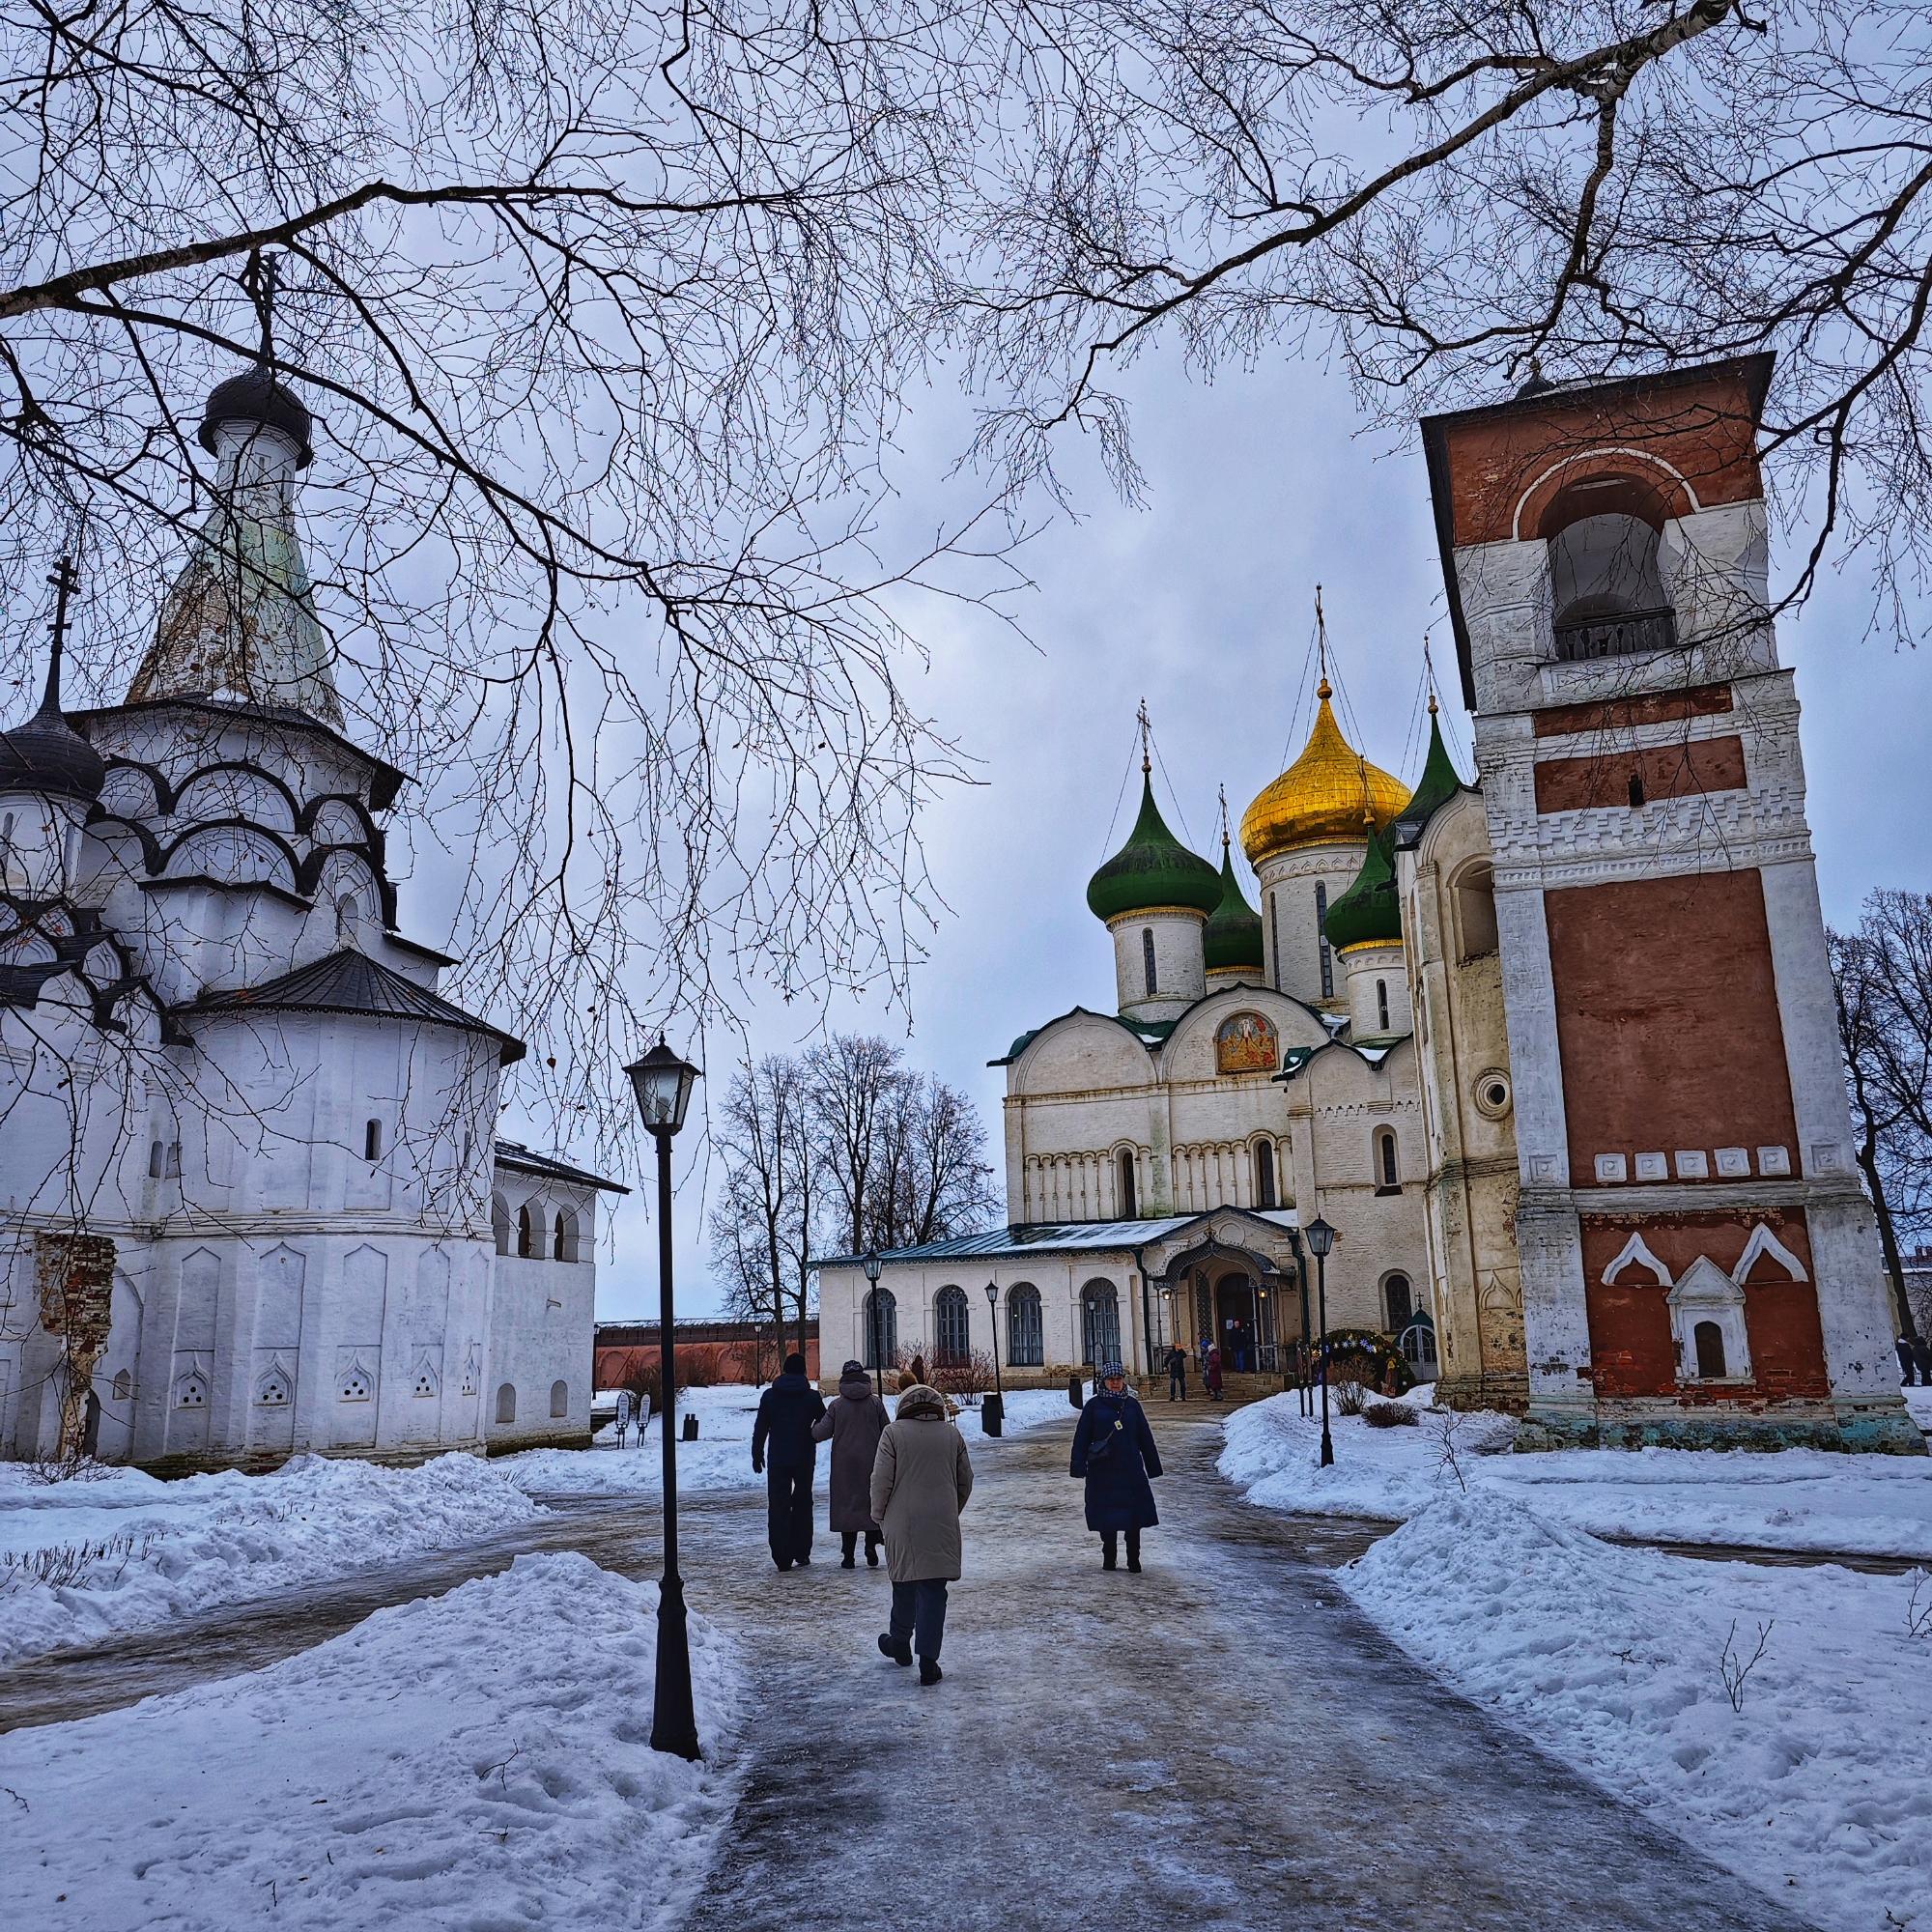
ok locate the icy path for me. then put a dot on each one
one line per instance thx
(1223, 1741)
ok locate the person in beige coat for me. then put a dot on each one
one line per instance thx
(920, 1479)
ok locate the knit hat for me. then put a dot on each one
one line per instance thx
(852, 1367)
(1107, 1371)
(919, 1400)
(794, 1364)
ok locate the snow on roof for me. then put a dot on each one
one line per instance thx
(1034, 1238)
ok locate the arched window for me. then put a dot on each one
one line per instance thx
(881, 1316)
(1129, 1204)
(499, 1222)
(154, 1153)
(1026, 1345)
(1389, 1178)
(1146, 960)
(1399, 1301)
(1383, 1004)
(1322, 940)
(1264, 1174)
(1607, 592)
(1636, 791)
(1099, 1323)
(527, 1233)
(1476, 912)
(563, 1237)
(506, 1403)
(1709, 1341)
(952, 1326)
(560, 1400)
(372, 1140)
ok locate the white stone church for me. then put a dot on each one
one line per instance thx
(252, 1198)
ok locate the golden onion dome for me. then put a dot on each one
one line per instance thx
(1322, 798)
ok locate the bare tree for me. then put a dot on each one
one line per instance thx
(767, 1218)
(603, 308)
(934, 1179)
(1451, 200)
(1883, 974)
(853, 1080)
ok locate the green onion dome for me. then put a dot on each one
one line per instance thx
(1438, 782)
(1231, 939)
(1153, 869)
(1368, 913)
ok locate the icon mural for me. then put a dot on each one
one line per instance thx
(1246, 1043)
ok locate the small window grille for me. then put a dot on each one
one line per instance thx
(1322, 940)
(274, 1391)
(372, 1140)
(1383, 1004)
(190, 1392)
(355, 1385)
(1146, 960)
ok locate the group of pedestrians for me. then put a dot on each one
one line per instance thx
(1176, 1372)
(901, 1481)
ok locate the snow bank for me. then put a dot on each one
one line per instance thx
(478, 1759)
(1818, 1790)
(84, 1560)
(1798, 1500)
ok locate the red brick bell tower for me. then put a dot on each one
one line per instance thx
(1699, 1262)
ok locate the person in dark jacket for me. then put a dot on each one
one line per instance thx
(1114, 1453)
(1906, 1363)
(1212, 1373)
(1177, 1374)
(783, 1451)
(853, 1424)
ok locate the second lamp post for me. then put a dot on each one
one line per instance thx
(992, 1424)
(1321, 1238)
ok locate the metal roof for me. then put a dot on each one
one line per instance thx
(519, 1159)
(349, 982)
(1046, 1237)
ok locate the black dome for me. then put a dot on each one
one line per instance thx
(48, 754)
(255, 396)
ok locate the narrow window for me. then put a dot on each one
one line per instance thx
(1274, 937)
(1146, 960)
(1322, 940)
(527, 1237)
(500, 1223)
(506, 1403)
(171, 1161)
(372, 1140)
(1128, 1209)
(1383, 1004)
(1401, 1303)
(1709, 1340)
(154, 1161)
(1636, 790)
(558, 1250)
(560, 1400)
(1264, 1174)
(1386, 1177)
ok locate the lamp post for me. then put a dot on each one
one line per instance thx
(1321, 1238)
(662, 1083)
(873, 1266)
(994, 1423)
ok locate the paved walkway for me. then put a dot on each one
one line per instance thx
(1222, 1740)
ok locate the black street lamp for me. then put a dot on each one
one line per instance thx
(873, 1267)
(1321, 1238)
(662, 1083)
(995, 1423)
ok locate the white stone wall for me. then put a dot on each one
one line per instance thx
(1180, 973)
(1291, 927)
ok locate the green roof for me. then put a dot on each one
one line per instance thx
(1368, 913)
(1232, 938)
(1153, 869)
(1437, 786)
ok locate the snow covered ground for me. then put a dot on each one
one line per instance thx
(479, 1759)
(1798, 1500)
(115, 1550)
(1816, 1785)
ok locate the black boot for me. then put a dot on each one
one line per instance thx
(871, 1554)
(897, 1648)
(929, 1671)
(1109, 1555)
(1134, 1553)
(850, 1541)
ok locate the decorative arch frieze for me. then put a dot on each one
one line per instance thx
(1762, 1246)
(1636, 1252)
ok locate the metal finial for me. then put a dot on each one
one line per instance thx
(1428, 672)
(1225, 840)
(1322, 689)
(1146, 739)
(66, 579)
(261, 278)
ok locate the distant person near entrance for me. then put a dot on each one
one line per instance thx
(783, 1448)
(1212, 1373)
(853, 1425)
(1114, 1453)
(919, 1485)
(1177, 1374)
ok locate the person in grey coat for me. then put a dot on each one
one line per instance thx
(920, 1484)
(853, 1424)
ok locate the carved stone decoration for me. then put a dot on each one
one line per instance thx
(75, 1277)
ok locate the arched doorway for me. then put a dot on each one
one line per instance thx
(1243, 1325)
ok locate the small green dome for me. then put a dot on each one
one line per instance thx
(1153, 869)
(1368, 913)
(1438, 782)
(1231, 939)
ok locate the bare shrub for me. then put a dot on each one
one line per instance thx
(68, 1566)
(1447, 1423)
(1351, 1398)
(1918, 1607)
(1389, 1415)
(1734, 1666)
(969, 1376)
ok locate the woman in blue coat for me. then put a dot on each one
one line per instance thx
(1114, 1453)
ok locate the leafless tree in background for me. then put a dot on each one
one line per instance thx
(768, 1216)
(933, 1180)
(1884, 977)
(852, 1079)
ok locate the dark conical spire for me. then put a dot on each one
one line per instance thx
(1369, 913)
(1231, 941)
(47, 754)
(1438, 782)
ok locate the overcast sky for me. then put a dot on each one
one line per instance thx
(1258, 487)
